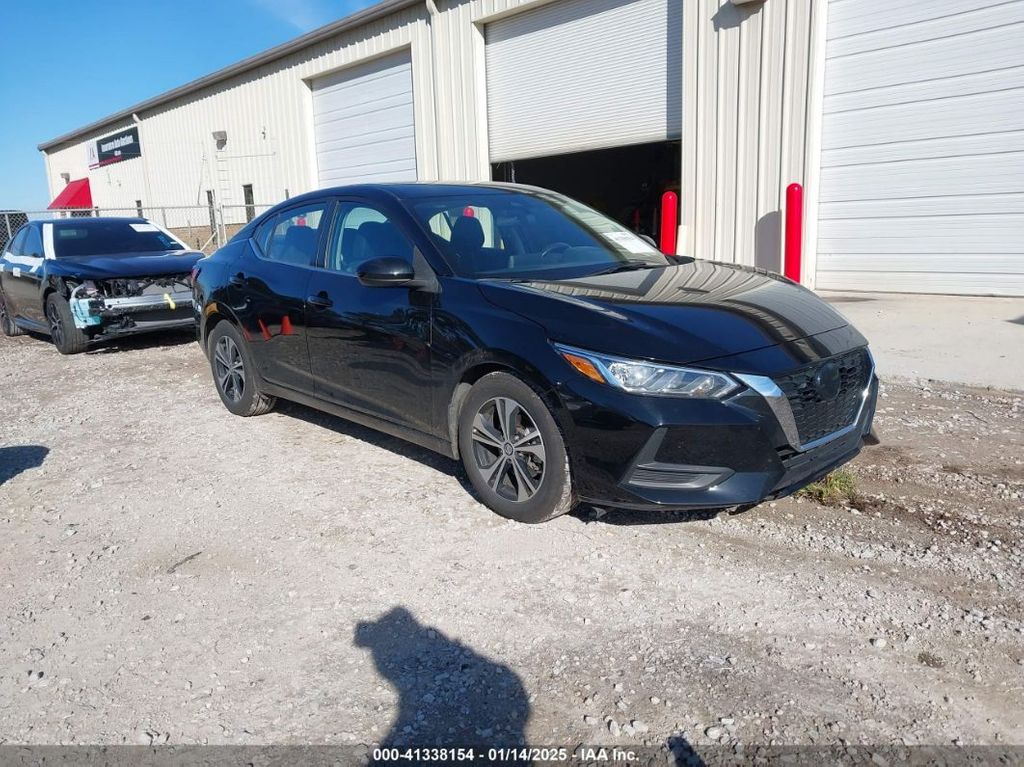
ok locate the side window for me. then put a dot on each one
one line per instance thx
(17, 246)
(33, 243)
(363, 233)
(291, 237)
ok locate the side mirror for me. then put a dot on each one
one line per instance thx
(387, 272)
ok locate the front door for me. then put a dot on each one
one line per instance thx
(269, 287)
(370, 347)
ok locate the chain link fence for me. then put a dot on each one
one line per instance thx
(201, 227)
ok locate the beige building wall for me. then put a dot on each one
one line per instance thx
(745, 118)
(747, 79)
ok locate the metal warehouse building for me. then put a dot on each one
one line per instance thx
(903, 119)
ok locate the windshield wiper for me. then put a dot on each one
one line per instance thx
(630, 265)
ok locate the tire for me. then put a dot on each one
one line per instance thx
(7, 326)
(234, 373)
(65, 336)
(533, 483)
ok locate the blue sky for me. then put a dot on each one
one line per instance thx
(80, 60)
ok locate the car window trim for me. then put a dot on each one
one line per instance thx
(330, 204)
(14, 239)
(39, 235)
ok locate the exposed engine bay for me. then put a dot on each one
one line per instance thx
(122, 304)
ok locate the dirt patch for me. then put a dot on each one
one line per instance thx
(171, 573)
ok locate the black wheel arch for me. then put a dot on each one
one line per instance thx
(212, 315)
(498, 361)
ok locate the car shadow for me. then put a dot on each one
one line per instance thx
(396, 445)
(14, 460)
(140, 341)
(583, 512)
(448, 694)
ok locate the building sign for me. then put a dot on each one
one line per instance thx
(110, 149)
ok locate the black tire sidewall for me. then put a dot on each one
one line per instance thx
(75, 340)
(555, 490)
(250, 394)
(7, 325)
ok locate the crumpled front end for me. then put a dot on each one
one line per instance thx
(129, 305)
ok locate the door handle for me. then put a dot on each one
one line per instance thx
(237, 279)
(320, 300)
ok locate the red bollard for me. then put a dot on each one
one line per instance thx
(794, 231)
(669, 223)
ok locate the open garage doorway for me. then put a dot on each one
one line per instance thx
(625, 183)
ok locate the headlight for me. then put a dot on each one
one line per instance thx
(641, 377)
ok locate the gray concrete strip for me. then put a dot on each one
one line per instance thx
(962, 339)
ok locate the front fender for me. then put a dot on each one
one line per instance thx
(471, 338)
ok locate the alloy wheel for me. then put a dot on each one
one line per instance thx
(508, 449)
(56, 323)
(229, 368)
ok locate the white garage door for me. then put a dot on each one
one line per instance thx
(584, 74)
(363, 123)
(922, 178)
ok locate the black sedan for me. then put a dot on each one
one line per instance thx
(80, 280)
(559, 355)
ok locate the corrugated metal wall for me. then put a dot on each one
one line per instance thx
(745, 73)
(267, 114)
(745, 110)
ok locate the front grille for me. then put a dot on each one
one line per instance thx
(805, 467)
(817, 416)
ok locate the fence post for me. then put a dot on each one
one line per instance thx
(163, 216)
(7, 224)
(222, 233)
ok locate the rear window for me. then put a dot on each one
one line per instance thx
(110, 238)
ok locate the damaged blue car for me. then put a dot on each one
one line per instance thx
(83, 280)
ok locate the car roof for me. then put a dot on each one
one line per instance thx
(95, 220)
(418, 189)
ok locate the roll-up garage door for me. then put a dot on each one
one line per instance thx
(363, 123)
(583, 74)
(922, 164)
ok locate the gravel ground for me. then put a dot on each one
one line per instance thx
(172, 573)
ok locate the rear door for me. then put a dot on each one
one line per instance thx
(269, 286)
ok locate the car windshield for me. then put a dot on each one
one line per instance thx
(110, 238)
(530, 235)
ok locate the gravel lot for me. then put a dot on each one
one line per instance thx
(172, 573)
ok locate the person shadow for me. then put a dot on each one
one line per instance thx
(449, 695)
(18, 458)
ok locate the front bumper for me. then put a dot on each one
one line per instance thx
(126, 315)
(651, 453)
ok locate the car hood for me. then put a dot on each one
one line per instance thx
(685, 313)
(114, 265)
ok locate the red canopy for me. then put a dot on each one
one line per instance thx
(75, 195)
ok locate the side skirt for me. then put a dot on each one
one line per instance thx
(32, 326)
(428, 441)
